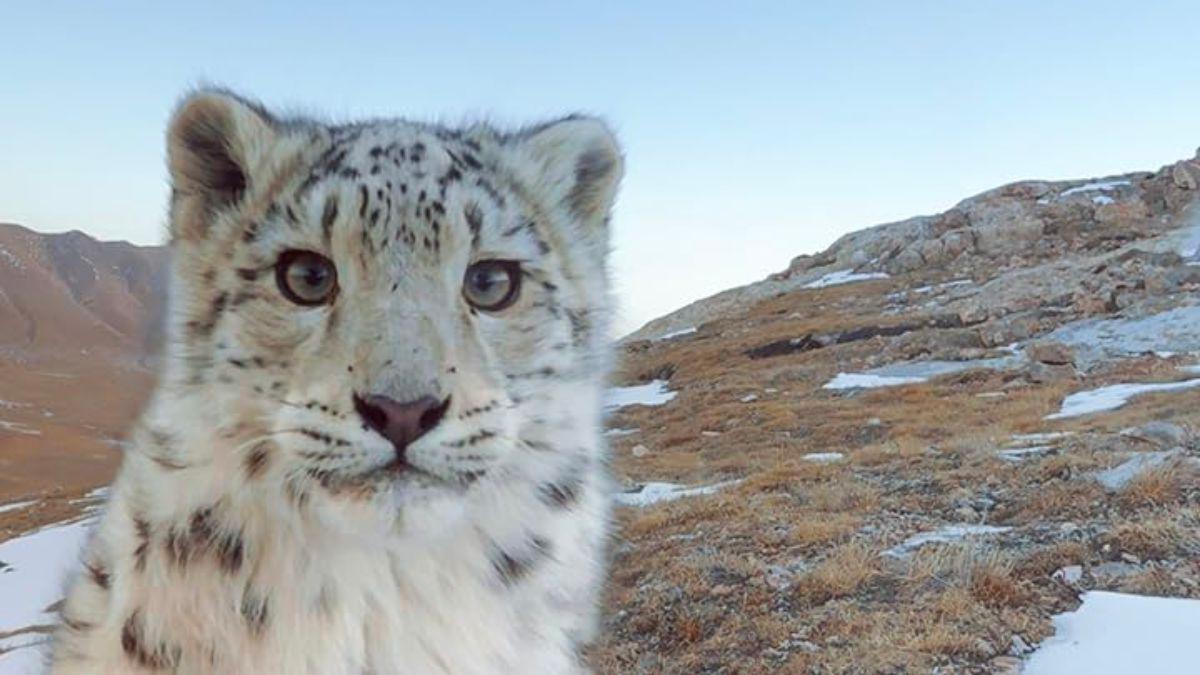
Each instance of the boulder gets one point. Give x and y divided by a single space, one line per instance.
1051 353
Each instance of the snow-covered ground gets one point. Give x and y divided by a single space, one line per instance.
844 277
676 333
13 506
939 287
18 428
914 372
943 535
1022 454
1113 396
868 381
34 569
824 457
1119 634
1097 186
617 432
651 393
1025 446
653 493
38 565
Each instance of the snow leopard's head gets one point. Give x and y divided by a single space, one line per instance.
388 303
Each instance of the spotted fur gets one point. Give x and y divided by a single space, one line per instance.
257 524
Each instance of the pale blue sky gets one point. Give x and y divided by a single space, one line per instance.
754 131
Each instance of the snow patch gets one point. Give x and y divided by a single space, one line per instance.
1021 454
18 428
1114 633
653 493
651 393
868 381
844 277
1102 200
676 333
939 287
38 563
914 372
1098 186
27 655
824 457
1042 437
945 535
14 506
617 432
1113 397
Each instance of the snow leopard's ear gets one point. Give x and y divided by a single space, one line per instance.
576 161
215 141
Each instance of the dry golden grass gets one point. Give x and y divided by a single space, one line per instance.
1156 536
698 584
1156 488
846 569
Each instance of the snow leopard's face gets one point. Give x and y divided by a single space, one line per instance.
388 307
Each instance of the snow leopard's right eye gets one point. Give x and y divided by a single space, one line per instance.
306 278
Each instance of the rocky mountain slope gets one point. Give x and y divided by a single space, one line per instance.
1021 225
80 324
908 452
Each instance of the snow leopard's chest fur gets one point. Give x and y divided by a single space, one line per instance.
260 522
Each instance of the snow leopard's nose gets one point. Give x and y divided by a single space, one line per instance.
400 423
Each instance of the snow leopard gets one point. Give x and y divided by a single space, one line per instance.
375 445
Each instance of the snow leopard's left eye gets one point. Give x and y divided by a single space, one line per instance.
492 285
306 278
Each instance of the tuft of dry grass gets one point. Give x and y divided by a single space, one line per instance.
1156 536
1153 489
844 571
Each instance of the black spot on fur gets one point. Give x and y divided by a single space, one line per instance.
474 217
561 494
133 641
230 552
204 326
363 197
328 216
98 575
142 529
491 191
256 460
256 610
581 327
513 567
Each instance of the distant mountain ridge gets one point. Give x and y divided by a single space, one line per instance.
62 293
